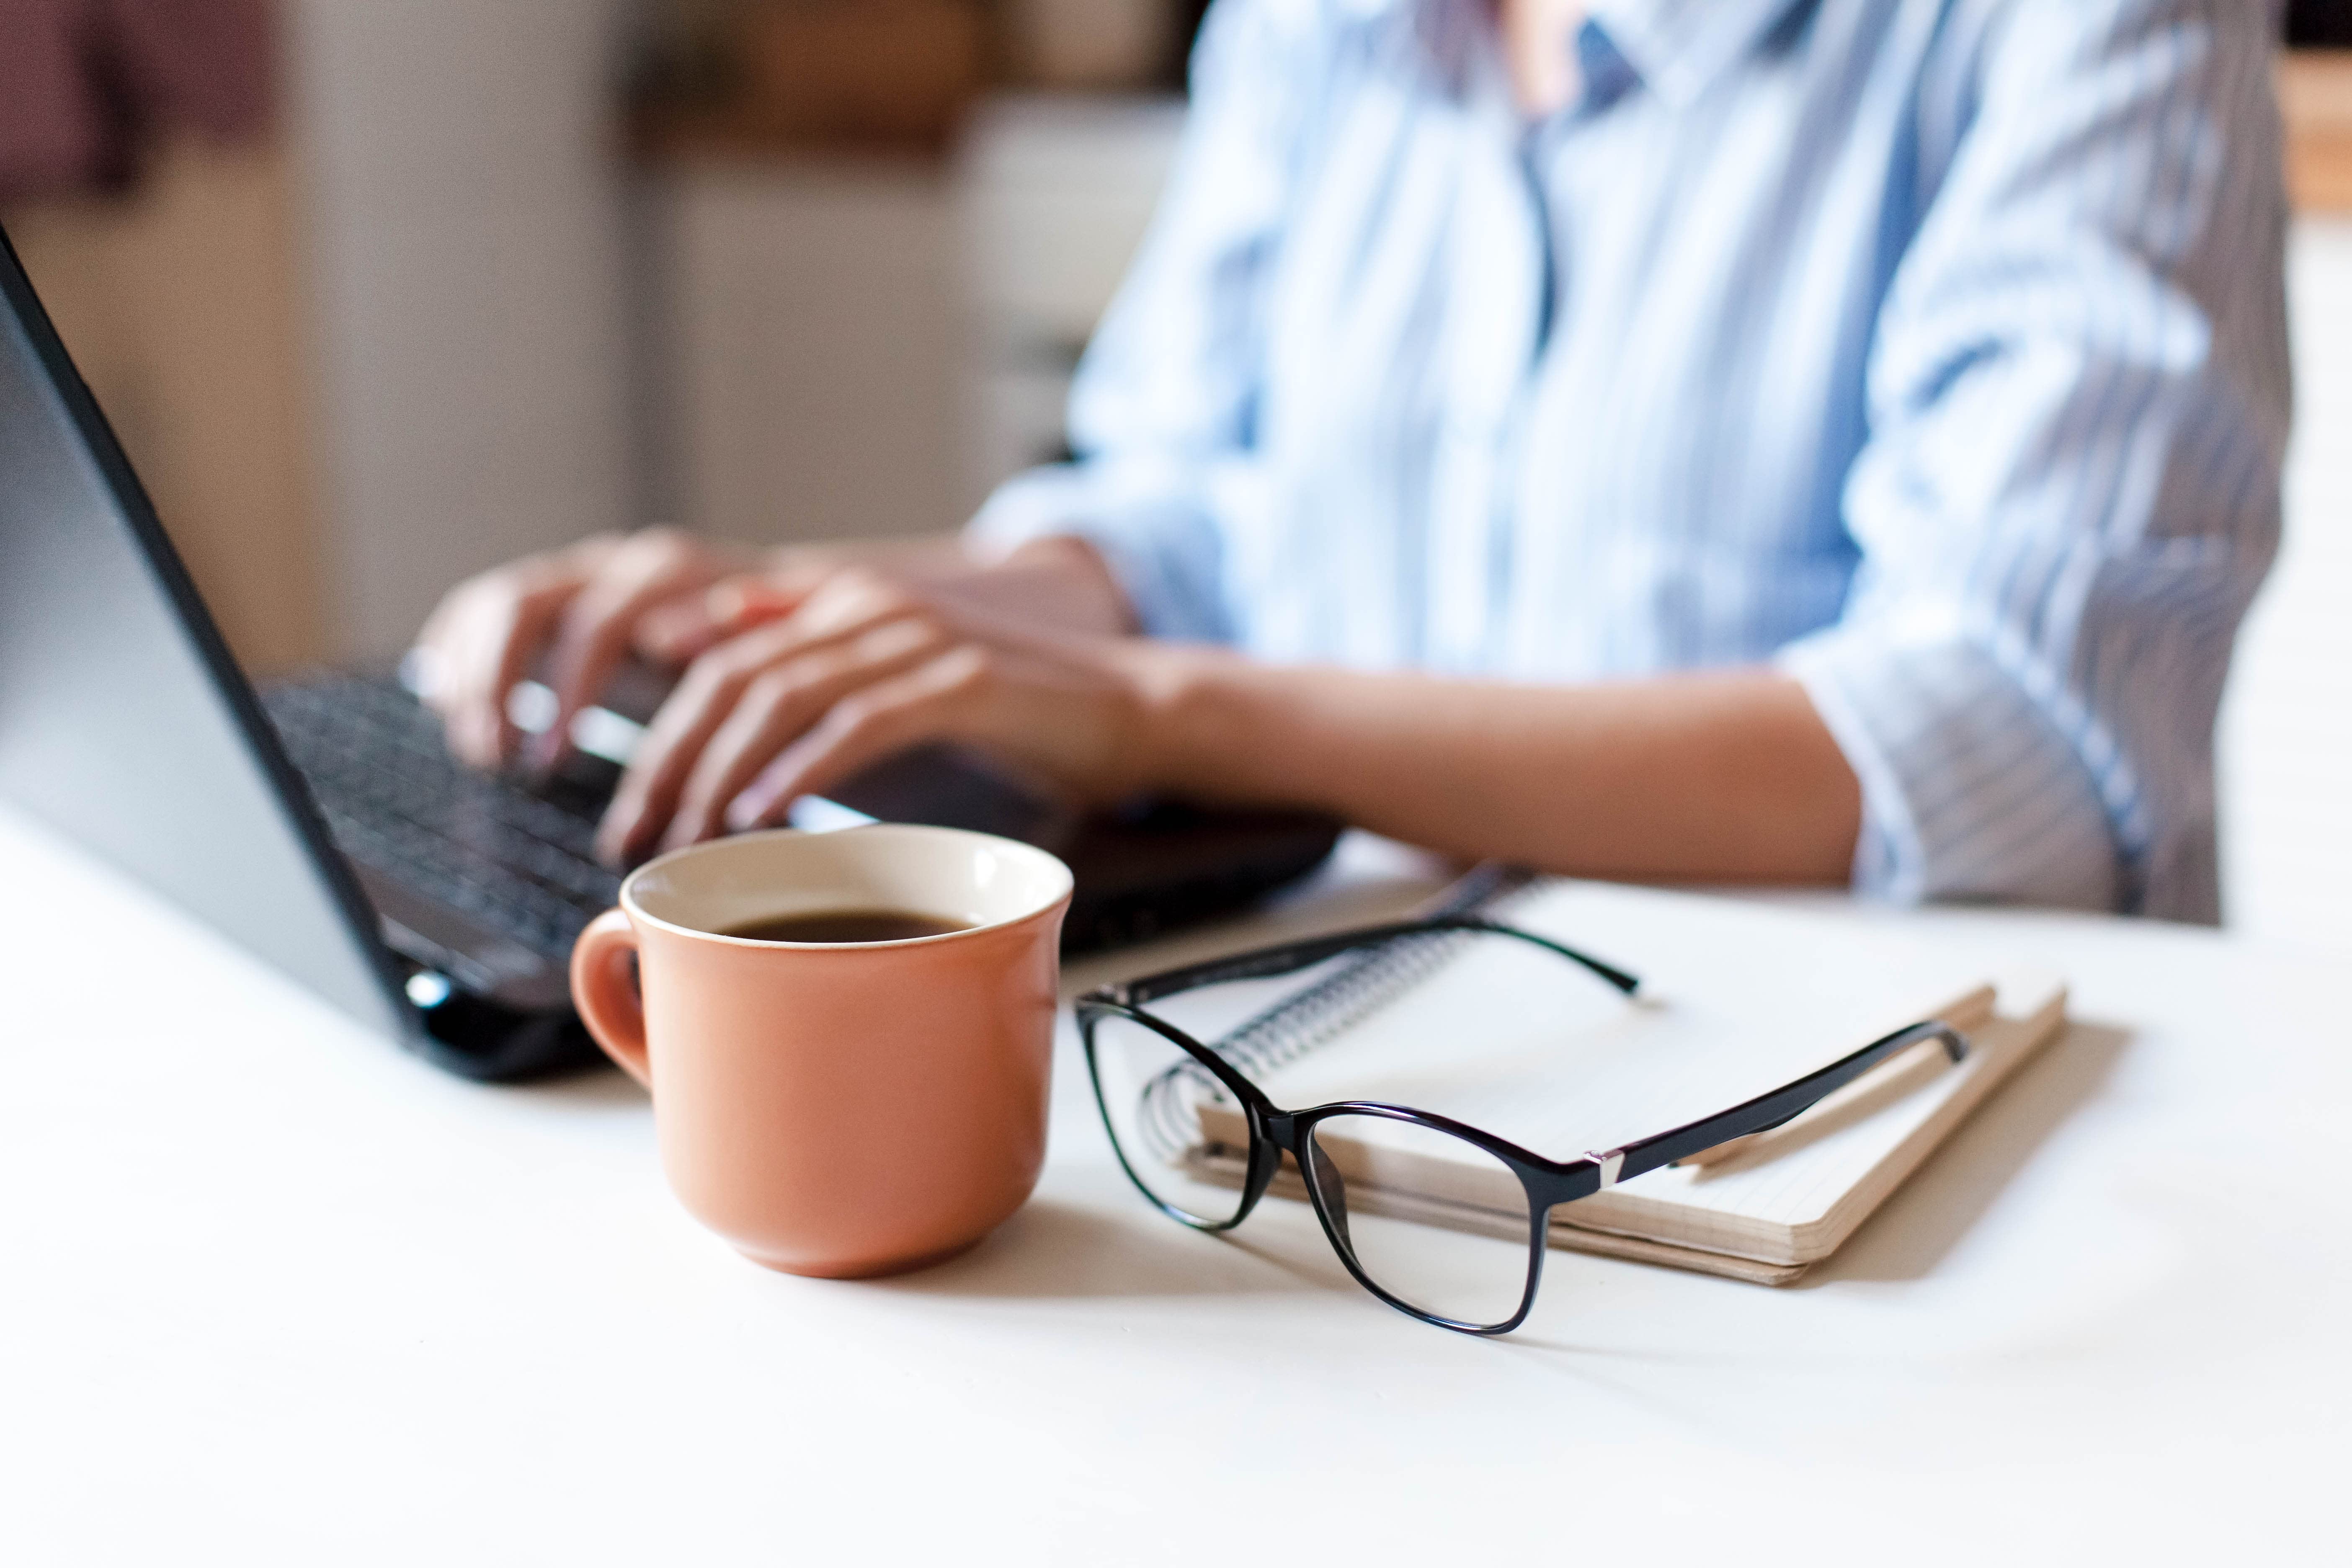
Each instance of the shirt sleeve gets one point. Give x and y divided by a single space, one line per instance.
1162 414
2079 403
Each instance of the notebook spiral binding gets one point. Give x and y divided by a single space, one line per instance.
1359 984
1365 981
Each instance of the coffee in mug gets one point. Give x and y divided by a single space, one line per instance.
845 925
848 1037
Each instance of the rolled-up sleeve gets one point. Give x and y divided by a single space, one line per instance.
1162 414
2079 401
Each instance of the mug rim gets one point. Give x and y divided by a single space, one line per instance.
627 897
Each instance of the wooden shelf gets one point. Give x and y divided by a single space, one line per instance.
2315 91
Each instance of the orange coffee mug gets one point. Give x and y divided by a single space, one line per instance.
840 1108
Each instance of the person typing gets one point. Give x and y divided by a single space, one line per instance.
1781 440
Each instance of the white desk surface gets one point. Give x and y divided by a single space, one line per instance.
272 1291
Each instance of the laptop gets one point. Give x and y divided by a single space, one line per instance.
321 823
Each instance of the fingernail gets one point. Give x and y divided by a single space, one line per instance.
750 809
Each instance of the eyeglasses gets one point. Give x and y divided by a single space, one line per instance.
1205 1143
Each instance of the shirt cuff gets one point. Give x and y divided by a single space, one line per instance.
1970 791
1160 546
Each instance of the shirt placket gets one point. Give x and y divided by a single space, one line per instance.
1499 257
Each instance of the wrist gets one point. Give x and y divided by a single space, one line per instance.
1173 692
1069 584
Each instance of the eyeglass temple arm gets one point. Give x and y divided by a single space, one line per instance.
1767 1111
1291 957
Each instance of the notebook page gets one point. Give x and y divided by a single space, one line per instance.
1737 1000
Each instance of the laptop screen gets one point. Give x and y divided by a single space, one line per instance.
124 723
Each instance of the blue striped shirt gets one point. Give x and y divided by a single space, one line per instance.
1930 351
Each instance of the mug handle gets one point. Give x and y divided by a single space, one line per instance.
608 1001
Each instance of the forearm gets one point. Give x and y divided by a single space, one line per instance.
1728 777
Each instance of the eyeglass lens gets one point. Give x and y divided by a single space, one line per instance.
1374 1177
1183 1137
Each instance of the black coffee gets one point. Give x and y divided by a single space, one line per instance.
845 925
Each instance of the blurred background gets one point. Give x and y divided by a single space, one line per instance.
381 292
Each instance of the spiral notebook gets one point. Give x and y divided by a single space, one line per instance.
1738 998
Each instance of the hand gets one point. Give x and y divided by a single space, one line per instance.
581 608
864 666
1051 583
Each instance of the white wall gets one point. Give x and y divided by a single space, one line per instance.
2286 725
813 350
1054 195
814 347
468 264
864 347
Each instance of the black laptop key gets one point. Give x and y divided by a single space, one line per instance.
510 861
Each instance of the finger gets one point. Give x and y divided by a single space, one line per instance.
685 627
657 774
597 627
485 632
937 699
430 655
501 638
465 663
446 646
780 706
854 596
747 600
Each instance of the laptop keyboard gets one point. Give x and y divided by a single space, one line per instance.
517 862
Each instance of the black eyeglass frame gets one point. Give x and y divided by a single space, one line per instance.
1275 1131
